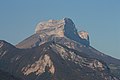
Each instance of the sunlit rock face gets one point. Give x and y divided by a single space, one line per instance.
84 37
51 27
46 63
59 28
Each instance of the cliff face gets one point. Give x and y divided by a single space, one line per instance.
51 27
60 28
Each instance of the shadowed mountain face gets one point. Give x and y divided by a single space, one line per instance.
7 76
57 52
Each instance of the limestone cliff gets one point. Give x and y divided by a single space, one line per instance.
59 28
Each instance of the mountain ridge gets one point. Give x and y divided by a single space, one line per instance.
50 52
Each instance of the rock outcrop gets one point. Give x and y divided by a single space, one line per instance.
84 37
59 28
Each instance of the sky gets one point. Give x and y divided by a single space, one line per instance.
100 18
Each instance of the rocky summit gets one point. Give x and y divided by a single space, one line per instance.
51 30
56 51
61 28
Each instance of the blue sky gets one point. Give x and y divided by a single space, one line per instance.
101 18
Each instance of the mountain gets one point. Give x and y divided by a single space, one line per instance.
64 32
57 51
53 61
52 29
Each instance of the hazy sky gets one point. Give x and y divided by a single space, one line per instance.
101 18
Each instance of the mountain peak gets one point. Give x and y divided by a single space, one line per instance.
52 24
59 28
68 20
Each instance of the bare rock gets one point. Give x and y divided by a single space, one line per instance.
84 37
59 28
